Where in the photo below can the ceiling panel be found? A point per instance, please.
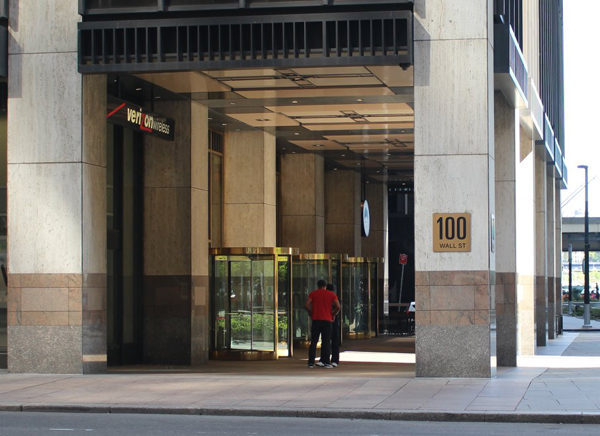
(261, 83)
(359, 108)
(185, 82)
(264, 119)
(257, 72)
(314, 92)
(318, 144)
(344, 81)
(318, 71)
(393, 75)
(356, 126)
(366, 138)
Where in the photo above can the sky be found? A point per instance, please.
(582, 94)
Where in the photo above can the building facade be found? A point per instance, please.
(150, 142)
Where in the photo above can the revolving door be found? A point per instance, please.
(361, 297)
(308, 269)
(251, 303)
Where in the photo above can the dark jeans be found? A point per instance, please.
(335, 343)
(323, 329)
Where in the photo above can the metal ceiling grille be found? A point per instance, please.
(366, 38)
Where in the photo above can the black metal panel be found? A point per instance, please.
(103, 7)
(3, 51)
(508, 58)
(548, 139)
(3, 9)
(375, 38)
(551, 65)
(510, 12)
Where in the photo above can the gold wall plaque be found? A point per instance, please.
(451, 232)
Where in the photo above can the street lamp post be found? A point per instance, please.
(570, 279)
(586, 271)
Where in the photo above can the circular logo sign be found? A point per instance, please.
(403, 259)
(366, 218)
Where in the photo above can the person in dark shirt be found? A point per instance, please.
(323, 306)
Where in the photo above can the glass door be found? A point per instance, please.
(284, 346)
(251, 301)
(239, 315)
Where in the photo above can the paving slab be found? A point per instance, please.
(559, 384)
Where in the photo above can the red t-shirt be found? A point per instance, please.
(322, 304)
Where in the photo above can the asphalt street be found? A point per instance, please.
(31, 424)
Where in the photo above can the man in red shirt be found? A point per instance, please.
(323, 306)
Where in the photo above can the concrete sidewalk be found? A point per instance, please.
(554, 386)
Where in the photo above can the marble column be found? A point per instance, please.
(526, 246)
(249, 189)
(56, 196)
(558, 258)
(541, 288)
(454, 173)
(342, 212)
(375, 245)
(303, 202)
(550, 254)
(176, 239)
(200, 330)
(507, 136)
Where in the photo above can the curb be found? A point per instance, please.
(513, 417)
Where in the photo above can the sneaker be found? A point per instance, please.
(321, 364)
(334, 364)
(327, 365)
(311, 365)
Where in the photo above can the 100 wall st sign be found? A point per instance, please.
(134, 117)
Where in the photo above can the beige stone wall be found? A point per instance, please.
(526, 248)
(342, 212)
(550, 254)
(250, 189)
(303, 202)
(454, 172)
(375, 245)
(56, 192)
(506, 130)
(176, 239)
(541, 284)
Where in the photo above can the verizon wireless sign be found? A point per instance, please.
(134, 117)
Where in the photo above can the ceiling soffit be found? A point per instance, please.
(362, 112)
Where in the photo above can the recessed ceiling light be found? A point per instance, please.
(317, 145)
(293, 152)
(359, 100)
(232, 102)
(357, 164)
(209, 118)
(138, 89)
(343, 155)
(223, 124)
(157, 97)
(294, 101)
(296, 133)
(262, 120)
(335, 169)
